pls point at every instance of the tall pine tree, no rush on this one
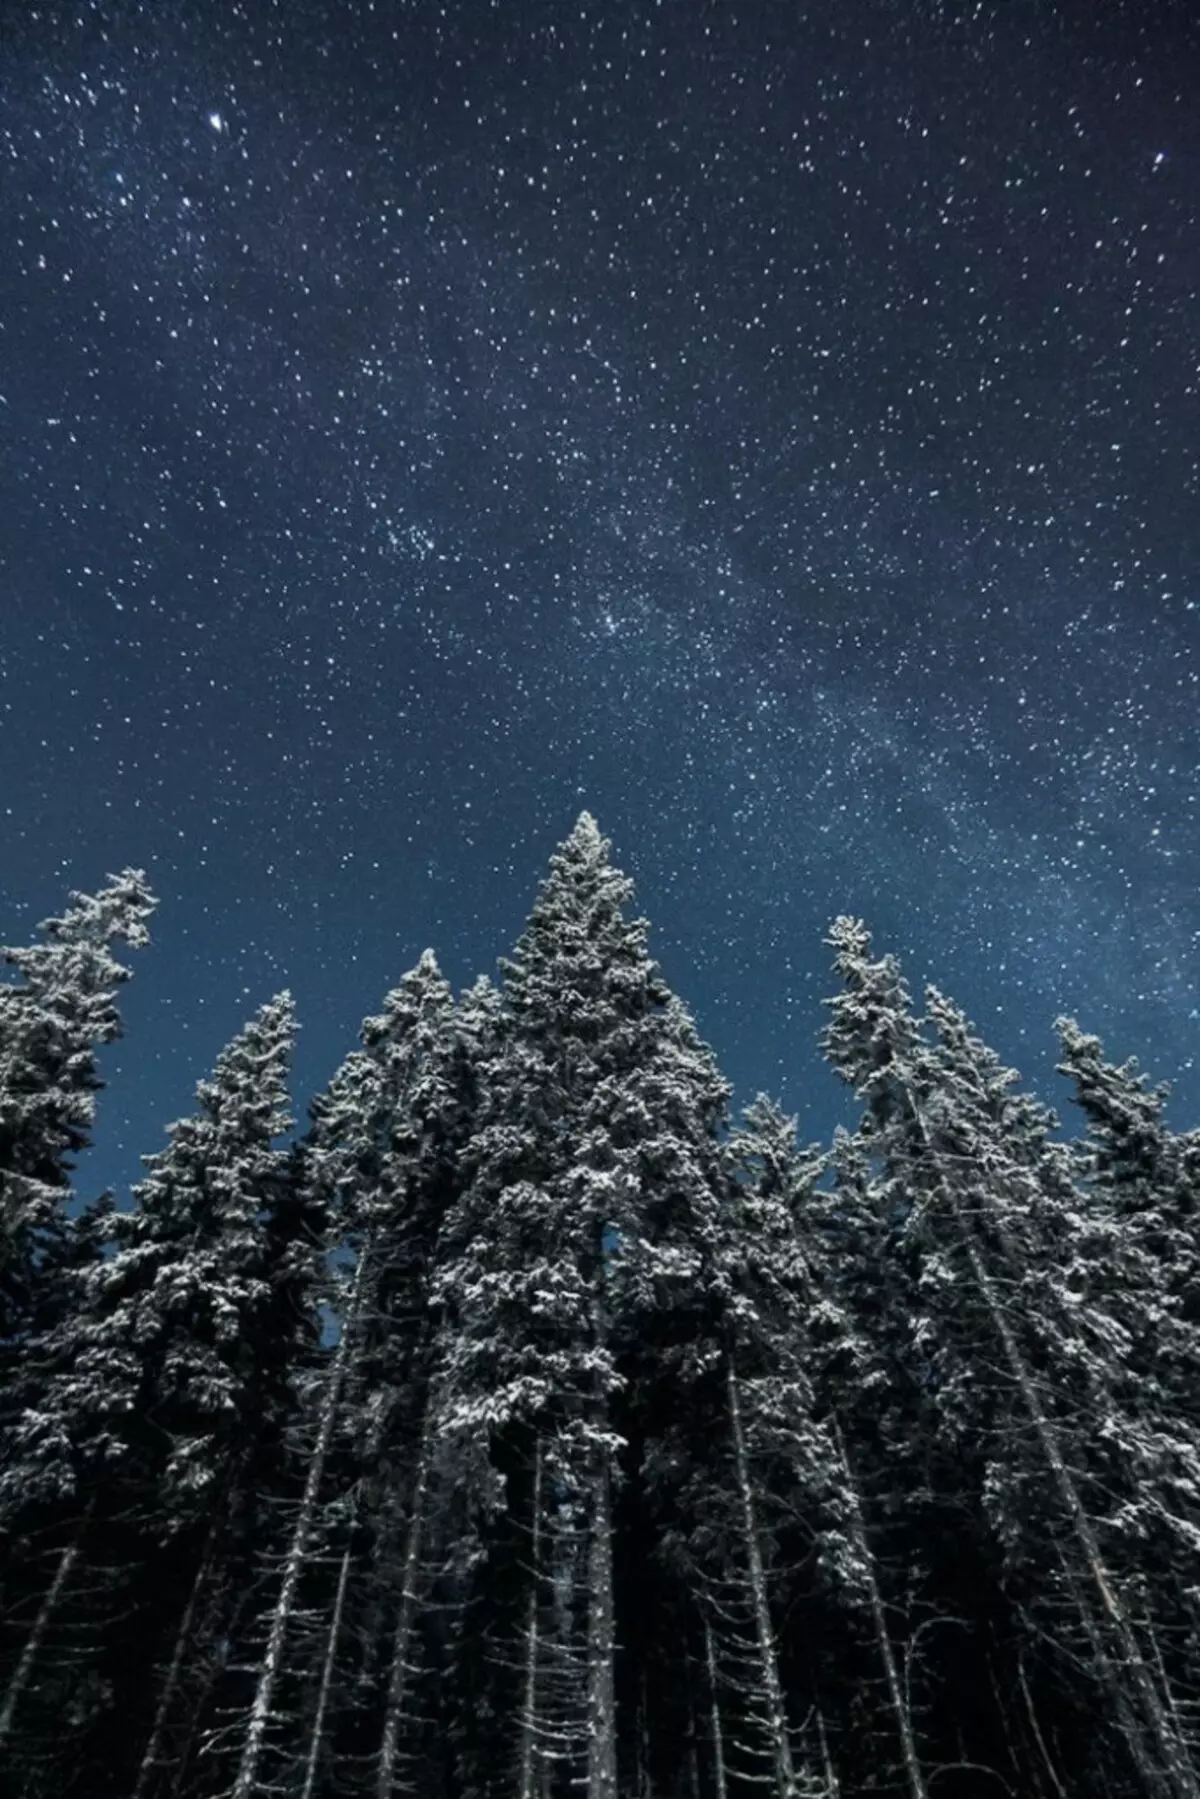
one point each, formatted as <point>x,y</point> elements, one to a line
<point>984,1203</point>
<point>589,1212</point>
<point>53,1018</point>
<point>151,1435</point>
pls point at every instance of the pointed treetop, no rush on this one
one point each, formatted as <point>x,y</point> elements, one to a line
<point>1083,1058</point>
<point>379,1097</point>
<point>74,950</point>
<point>52,1018</point>
<point>584,846</point>
<point>956,1030</point>
<point>872,1038</point>
<point>118,910</point>
<point>265,1041</point>
<point>244,1100</point>
<point>580,904</point>
<point>478,1006</point>
<point>975,1088</point>
<point>767,1134</point>
<point>424,990</point>
<point>1126,1129</point>
<point>584,850</point>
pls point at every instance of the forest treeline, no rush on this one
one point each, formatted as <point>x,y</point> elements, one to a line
<point>528,1427</point>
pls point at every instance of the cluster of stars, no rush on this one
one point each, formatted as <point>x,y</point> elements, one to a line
<point>772,428</point>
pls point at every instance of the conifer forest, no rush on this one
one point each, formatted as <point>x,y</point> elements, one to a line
<point>525,1425</point>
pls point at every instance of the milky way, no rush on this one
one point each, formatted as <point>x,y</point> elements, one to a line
<point>774,427</point>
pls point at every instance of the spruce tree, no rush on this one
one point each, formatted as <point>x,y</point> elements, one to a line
<point>342,1638</point>
<point>871,1395</point>
<point>1085,1300</point>
<point>593,1181</point>
<point>1141,1276</point>
<point>53,1018</point>
<point>524,1431</point>
<point>985,1206</point>
<point>808,1271</point>
<point>154,1413</point>
<point>765,1480</point>
<point>241,1341</point>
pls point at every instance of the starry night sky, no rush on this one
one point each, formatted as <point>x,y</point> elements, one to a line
<point>772,426</point>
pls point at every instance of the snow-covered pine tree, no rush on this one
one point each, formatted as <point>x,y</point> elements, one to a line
<point>871,1680</point>
<point>404,1497</point>
<point>528,1361</point>
<point>908,1554</point>
<point>593,1181</point>
<point>795,1540</point>
<point>416,1508</point>
<point>1141,1270</point>
<point>663,1281</point>
<point>914,1387</point>
<point>753,1473</point>
<point>161,1404</point>
<point>1083,1298</point>
<point>997,1247</point>
<point>975,1187</point>
<point>339,1639</point>
<point>638,1464</point>
<point>238,1316</point>
<point>1141,1179</point>
<point>53,1019</point>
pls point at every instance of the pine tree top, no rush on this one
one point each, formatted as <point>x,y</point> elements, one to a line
<point>76,946</point>
<point>872,1038</point>
<point>578,948</point>
<point>211,1163</point>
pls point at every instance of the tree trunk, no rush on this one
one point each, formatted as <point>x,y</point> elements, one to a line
<point>528,1779</point>
<point>644,1788</point>
<point>1177,1777</point>
<point>402,1636</point>
<point>316,1735</point>
<point>1014,1733</point>
<point>912,1767</point>
<point>246,1779</point>
<point>833,1785</point>
<point>27,1661</point>
<point>175,1671</point>
<point>1107,1673</point>
<point>771,1695</point>
<point>602,1718</point>
<point>180,1773</point>
<point>693,1725</point>
<point>720,1779</point>
<point>1036,1728</point>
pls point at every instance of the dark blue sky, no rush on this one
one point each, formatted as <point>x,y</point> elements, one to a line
<point>772,426</point>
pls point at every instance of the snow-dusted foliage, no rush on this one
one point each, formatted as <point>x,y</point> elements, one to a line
<point>157,1405</point>
<point>1021,1364</point>
<point>525,1430</point>
<point>343,1692</point>
<point>581,1241</point>
<point>53,1018</point>
<point>1140,1285</point>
